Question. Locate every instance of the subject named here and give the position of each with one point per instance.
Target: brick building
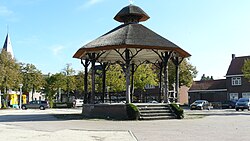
(234, 86)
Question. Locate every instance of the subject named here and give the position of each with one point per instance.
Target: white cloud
(89, 3)
(57, 49)
(4, 11)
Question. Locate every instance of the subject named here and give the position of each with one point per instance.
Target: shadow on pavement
(40, 117)
(205, 113)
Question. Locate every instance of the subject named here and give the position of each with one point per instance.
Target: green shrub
(177, 110)
(51, 104)
(132, 112)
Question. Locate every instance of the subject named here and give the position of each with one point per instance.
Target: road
(222, 125)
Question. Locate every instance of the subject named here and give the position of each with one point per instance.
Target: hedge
(177, 110)
(132, 112)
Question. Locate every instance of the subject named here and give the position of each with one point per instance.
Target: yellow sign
(24, 101)
(13, 99)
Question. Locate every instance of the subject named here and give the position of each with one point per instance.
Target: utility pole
(20, 103)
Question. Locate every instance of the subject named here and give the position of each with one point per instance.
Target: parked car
(229, 104)
(78, 102)
(243, 103)
(42, 105)
(200, 105)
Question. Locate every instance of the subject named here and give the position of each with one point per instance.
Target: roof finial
(131, 1)
(7, 26)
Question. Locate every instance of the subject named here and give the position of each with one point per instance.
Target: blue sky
(47, 33)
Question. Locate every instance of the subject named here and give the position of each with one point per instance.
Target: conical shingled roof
(131, 10)
(133, 36)
(7, 46)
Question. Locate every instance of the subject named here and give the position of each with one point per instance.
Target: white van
(78, 102)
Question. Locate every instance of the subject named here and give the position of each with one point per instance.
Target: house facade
(235, 86)
(211, 90)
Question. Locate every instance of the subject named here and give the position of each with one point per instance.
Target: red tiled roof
(236, 65)
(209, 85)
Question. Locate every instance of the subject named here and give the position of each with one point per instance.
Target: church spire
(7, 45)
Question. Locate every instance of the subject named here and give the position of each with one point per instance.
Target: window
(246, 95)
(234, 96)
(236, 81)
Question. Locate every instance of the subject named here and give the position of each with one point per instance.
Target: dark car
(229, 104)
(42, 105)
(200, 105)
(243, 103)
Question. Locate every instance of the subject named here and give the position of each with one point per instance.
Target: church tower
(7, 45)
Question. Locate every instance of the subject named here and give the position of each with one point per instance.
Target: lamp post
(20, 103)
(0, 99)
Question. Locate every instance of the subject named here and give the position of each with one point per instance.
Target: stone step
(155, 114)
(156, 111)
(157, 118)
(153, 108)
(151, 105)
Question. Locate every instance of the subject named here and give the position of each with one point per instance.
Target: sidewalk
(13, 123)
(64, 135)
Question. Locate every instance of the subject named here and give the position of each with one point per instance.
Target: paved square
(213, 125)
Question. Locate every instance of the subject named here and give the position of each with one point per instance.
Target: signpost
(20, 103)
(0, 99)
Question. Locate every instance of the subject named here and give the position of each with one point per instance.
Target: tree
(187, 73)
(115, 79)
(32, 78)
(145, 75)
(52, 85)
(69, 73)
(204, 77)
(80, 82)
(10, 76)
(246, 69)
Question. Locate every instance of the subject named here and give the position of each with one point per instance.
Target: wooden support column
(177, 61)
(104, 70)
(85, 64)
(165, 56)
(127, 56)
(132, 80)
(160, 80)
(127, 74)
(159, 65)
(92, 57)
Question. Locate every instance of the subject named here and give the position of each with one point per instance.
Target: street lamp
(20, 85)
(0, 99)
